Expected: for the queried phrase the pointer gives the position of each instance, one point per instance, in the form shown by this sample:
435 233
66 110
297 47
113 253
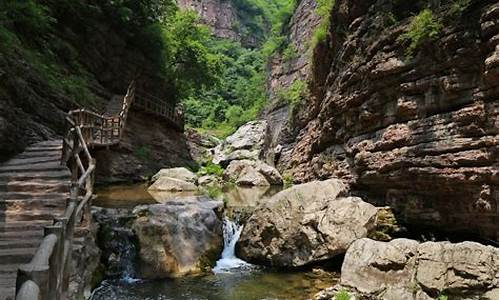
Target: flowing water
228 261
231 279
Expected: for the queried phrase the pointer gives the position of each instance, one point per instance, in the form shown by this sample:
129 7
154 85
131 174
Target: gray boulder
177 173
170 184
406 269
246 143
180 237
249 172
304 224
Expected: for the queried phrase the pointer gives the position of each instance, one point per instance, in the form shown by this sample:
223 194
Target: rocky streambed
184 248
235 232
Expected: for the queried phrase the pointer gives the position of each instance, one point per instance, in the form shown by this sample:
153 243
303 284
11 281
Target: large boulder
407 269
170 184
249 172
305 224
180 237
246 143
177 173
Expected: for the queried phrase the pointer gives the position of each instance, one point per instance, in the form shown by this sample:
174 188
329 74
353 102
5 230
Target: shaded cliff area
57 56
410 125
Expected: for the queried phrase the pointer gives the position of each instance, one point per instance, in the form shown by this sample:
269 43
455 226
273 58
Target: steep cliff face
81 62
149 143
420 132
89 57
283 72
219 15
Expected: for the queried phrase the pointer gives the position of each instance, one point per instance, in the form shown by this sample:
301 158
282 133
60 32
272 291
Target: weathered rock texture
246 143
219 15
148 144
180 237
417 133
200 144
85 263
249 172
282 73
405 269
306 223
178 173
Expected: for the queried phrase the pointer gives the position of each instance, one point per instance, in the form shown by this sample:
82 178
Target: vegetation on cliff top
55 39
239 94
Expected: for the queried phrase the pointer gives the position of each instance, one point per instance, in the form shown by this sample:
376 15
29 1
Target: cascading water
228 260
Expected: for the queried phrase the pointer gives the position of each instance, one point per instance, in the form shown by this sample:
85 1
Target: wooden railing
157 106
46 277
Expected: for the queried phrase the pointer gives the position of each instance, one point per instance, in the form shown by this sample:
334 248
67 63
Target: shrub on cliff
424 27
323 10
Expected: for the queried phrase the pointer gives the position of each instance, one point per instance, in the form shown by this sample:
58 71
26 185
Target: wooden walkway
34 188
46 193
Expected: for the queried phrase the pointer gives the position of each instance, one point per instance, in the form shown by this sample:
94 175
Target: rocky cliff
284 71
219 15
418 132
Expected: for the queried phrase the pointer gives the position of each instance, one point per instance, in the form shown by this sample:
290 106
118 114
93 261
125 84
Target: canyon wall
415 131
219 15
282 72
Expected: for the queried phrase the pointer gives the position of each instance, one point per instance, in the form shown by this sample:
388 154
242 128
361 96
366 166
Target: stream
231 278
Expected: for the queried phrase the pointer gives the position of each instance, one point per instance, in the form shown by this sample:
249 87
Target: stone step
33 195
14 235
32 185
31 154
30 204
38 147
29 175
20 226
19 244
7 293
7 268
32 160
46 166
57 142
30 216
17 256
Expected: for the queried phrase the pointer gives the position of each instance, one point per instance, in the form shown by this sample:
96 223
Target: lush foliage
175 42
423 27
295 93
259 19
323 10
459 6
237 97
189 63
220 83
211 169
342 295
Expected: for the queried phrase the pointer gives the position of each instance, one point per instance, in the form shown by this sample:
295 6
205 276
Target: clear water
245 285
231 279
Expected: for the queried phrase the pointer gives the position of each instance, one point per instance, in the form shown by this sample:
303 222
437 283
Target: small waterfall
228 260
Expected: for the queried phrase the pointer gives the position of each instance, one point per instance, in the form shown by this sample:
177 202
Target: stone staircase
34 188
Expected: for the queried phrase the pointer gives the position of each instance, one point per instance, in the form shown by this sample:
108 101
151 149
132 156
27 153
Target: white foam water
228 260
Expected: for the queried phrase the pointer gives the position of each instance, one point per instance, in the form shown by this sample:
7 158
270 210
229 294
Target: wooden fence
46 277
157 106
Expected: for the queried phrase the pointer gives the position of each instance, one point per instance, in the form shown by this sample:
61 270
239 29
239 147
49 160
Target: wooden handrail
157 106
46 277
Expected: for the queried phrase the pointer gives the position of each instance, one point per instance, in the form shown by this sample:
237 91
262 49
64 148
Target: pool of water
129 196
237 285
232 278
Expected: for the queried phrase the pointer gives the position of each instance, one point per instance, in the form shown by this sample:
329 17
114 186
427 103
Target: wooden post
54 290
